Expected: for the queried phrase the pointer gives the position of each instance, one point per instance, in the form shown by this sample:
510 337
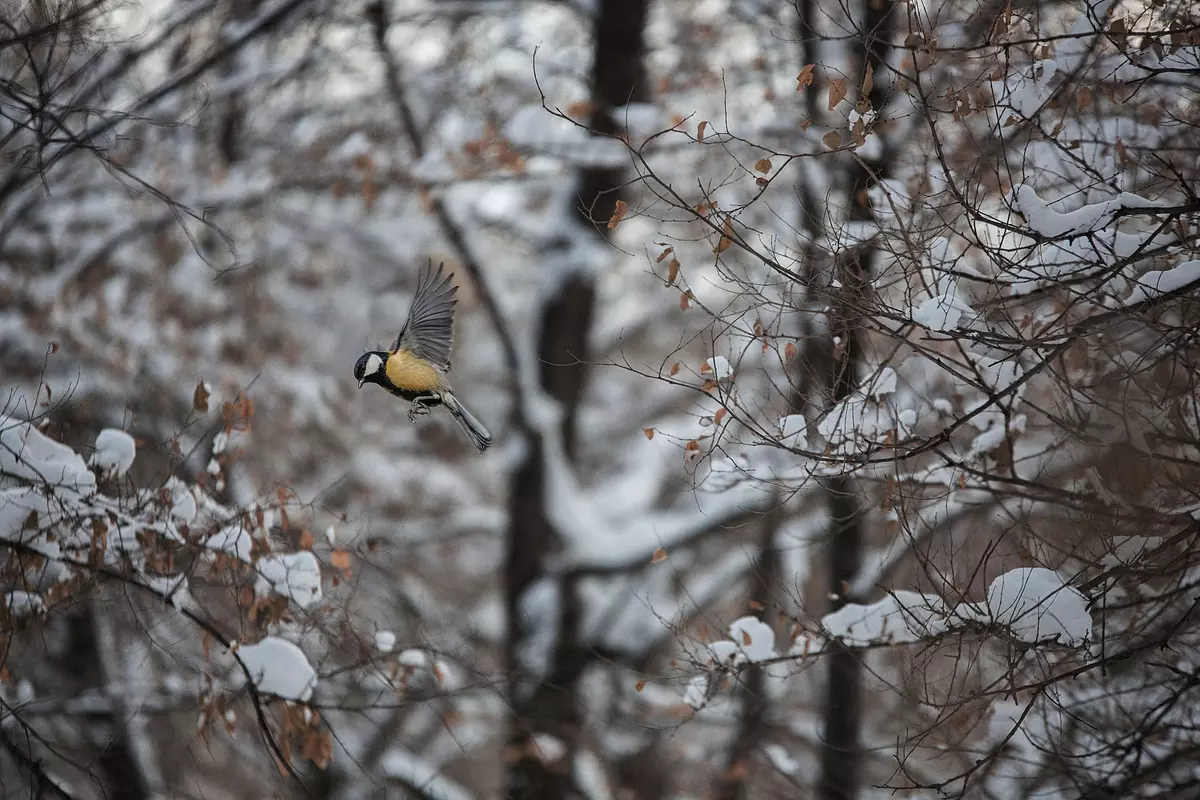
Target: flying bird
416 366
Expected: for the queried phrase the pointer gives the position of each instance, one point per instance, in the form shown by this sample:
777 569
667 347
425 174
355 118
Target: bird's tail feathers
478 433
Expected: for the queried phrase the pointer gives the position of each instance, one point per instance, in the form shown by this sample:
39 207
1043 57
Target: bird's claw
417 409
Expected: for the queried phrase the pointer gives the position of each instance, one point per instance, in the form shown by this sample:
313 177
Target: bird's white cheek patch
374 364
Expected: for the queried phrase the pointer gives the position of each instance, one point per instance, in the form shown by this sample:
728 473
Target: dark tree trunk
843 687
548 704
618 78
841 754
752 721
116 769
562 350
531 539
231 123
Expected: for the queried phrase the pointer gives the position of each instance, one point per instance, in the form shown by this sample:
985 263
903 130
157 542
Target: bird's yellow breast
407 372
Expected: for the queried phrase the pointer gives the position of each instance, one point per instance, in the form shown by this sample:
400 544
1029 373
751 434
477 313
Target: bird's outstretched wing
429 331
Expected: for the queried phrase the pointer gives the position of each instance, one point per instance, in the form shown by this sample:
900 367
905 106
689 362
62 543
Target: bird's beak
360 383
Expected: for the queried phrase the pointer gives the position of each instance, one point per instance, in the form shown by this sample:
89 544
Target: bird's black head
369 367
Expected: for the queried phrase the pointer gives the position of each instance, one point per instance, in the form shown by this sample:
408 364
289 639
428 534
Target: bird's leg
419 408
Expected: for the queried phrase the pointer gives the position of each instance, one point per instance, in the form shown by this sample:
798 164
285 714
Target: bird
415 367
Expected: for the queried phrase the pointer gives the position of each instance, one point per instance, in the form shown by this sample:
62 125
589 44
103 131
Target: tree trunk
841 752
547 704
752 719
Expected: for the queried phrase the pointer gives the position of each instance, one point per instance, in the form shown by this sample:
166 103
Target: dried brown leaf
726 236
837 92
832 140
619 212
200 398
805 78
672 271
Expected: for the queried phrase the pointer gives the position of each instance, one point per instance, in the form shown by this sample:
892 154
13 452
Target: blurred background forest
839 357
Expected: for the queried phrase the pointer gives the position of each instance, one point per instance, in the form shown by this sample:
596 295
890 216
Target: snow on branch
422 777
278 667
27 454
598 541
51 504
1157 283
1033 605
296 576
115 451
751 641
1088 219
1036 606
863 420
902 616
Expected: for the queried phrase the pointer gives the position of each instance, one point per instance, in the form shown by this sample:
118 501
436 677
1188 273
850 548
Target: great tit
416 366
